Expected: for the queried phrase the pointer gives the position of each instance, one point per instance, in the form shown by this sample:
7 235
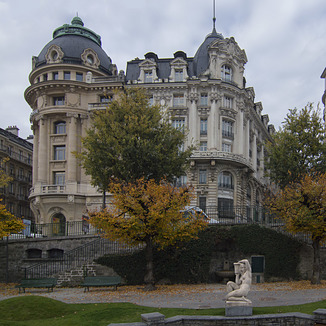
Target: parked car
198 212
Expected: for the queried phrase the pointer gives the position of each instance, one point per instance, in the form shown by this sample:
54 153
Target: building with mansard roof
17 154
205 94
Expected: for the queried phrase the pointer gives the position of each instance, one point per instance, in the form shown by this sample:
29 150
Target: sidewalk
198 296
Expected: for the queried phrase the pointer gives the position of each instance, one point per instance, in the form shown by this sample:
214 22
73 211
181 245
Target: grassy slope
37 311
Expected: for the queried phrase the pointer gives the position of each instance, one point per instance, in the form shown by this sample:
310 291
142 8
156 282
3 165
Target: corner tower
71 76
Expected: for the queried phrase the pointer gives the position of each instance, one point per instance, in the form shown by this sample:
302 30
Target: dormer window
178 70
178 75
226 73
148 76
148 72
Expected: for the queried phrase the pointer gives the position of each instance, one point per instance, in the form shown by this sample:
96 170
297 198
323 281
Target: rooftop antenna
214 16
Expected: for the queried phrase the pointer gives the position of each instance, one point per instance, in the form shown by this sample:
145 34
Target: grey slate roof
20 141
73 46
196 65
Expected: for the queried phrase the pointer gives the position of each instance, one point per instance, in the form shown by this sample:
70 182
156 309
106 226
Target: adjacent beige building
19 153
205 94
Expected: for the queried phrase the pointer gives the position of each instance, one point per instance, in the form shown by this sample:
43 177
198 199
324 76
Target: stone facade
19 167
205 94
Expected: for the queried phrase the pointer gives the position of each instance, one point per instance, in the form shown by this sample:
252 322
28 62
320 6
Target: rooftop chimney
13 129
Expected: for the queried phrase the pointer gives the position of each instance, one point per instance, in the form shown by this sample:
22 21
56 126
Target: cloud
284 42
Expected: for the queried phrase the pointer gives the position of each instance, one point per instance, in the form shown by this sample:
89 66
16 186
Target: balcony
53 189
222 156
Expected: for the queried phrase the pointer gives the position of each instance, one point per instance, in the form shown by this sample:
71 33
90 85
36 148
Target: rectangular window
59 153
45 77
178 100
228 102
60 127
79 76
55 75
106 98
202 176
203 146
148 76
227 129
178 75
179 124
181 181
58 100
226 148
203 99
203 126
11 188
66 75
59 178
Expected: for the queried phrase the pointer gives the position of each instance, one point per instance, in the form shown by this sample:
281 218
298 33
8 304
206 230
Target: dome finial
214 17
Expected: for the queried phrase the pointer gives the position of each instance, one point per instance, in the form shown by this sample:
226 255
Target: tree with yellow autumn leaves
302 206
148 213
8 222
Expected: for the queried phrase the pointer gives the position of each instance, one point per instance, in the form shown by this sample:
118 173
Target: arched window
225 180
60 127
58 224
226 73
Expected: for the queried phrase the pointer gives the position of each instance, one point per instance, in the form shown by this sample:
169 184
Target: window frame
59 152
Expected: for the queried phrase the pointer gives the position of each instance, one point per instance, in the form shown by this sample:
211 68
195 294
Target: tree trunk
315 279
103 200
149 276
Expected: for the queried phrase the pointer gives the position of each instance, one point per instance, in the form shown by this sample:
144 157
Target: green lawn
40 311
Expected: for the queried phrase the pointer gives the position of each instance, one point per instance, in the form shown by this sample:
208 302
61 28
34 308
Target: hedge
190 262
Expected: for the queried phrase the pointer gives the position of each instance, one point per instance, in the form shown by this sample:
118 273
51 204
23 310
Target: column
43 152
193 117
35 152
72 147
212 128
254 153
240 141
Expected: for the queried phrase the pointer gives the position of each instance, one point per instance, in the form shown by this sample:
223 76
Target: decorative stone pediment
148 63
54 54
178 62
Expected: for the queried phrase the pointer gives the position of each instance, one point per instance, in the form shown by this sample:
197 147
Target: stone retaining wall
287 319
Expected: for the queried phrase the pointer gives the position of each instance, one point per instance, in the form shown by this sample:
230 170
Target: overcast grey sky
285 42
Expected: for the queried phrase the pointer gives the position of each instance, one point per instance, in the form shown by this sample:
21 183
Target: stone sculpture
238 290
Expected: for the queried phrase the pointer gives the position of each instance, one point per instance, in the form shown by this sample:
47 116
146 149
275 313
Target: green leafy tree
131 140
148 213
302 206
298 148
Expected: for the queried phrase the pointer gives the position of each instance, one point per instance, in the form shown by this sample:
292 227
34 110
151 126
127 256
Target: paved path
182 296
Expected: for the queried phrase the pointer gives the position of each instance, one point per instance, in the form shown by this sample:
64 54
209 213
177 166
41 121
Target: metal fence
75 228
242 215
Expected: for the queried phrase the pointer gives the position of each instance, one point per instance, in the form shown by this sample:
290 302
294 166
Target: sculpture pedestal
238 308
